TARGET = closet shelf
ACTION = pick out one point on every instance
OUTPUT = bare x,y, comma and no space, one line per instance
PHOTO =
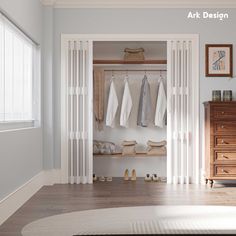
119,155
113,62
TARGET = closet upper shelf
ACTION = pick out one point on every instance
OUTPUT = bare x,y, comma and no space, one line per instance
139,155
114,62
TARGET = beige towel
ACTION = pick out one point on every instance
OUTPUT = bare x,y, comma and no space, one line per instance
128,150
129,143
156,151
156,144
98,96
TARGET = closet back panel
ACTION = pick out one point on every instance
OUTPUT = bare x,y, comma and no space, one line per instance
115,166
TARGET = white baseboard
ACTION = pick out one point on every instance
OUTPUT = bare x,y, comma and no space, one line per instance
11,203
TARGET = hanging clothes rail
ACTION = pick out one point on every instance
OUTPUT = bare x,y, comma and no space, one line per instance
133,70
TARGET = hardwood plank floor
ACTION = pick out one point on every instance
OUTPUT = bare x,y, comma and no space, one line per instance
57,199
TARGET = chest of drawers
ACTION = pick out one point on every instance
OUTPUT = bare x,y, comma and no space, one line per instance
220,141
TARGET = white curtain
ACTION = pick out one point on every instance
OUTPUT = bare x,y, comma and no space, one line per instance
182,131
16,74
79,109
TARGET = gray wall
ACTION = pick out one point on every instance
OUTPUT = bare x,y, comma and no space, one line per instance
21,151
141,21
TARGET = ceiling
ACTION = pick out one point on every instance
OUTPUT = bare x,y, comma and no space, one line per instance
141,3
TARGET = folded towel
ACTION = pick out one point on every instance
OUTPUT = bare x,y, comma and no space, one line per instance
103,147
129,143
156,151
156,144
129,150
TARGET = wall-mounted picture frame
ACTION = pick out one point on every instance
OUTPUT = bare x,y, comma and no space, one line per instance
219,60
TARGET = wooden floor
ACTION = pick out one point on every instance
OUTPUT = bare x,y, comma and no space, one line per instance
57,199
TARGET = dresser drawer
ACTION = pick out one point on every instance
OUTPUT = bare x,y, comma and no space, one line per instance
225,141
225,156
224,113
224,127
225,170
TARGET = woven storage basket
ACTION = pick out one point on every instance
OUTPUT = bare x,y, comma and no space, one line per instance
134,54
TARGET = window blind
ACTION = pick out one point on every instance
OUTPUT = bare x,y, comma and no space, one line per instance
17,74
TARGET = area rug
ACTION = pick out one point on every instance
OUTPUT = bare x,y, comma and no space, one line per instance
138,220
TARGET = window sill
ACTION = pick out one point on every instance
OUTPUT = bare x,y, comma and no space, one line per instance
17,125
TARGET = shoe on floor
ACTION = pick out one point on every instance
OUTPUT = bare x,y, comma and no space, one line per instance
95,178
109,178
133,176
155,178
102,178
148,178
126,174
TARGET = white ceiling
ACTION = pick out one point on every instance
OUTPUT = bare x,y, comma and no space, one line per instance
141,3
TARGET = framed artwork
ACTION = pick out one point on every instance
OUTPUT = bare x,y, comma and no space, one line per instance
219,60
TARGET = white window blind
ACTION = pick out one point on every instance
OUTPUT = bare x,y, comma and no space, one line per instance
17,81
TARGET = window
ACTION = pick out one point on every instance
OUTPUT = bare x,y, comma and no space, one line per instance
19,75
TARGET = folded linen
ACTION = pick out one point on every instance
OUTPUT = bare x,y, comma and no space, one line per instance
156,151
129,150
156,144
129,143
103,147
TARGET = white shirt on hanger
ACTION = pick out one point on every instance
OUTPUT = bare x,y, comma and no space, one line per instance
161,106
126,106
111,106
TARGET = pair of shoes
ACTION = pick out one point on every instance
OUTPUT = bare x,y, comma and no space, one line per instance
95,178
103,178
133,175
149,178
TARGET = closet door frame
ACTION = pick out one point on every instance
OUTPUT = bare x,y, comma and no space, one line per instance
128,37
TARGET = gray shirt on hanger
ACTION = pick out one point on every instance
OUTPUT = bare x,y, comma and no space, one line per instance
145,107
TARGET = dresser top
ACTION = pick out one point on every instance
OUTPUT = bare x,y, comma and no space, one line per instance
219,103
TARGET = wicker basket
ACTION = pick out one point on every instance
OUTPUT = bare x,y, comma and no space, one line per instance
134,54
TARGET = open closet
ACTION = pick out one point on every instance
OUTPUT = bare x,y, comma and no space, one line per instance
130,114
171,60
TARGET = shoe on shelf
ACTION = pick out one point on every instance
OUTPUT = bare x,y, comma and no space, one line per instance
126,174
109,178
102,178
95,178
133,176
148,178
155,178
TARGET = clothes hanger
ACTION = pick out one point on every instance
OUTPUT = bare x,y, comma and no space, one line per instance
145,74
126,76
160,77
112,76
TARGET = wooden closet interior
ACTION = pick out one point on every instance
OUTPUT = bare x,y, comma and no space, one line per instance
109,56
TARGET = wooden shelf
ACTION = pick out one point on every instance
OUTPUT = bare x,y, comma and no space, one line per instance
119,155
113,62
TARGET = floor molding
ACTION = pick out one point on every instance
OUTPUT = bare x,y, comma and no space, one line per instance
11,203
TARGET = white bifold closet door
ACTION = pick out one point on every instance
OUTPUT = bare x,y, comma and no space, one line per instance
183,105
78,105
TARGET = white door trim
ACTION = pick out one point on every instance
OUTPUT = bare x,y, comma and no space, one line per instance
127,37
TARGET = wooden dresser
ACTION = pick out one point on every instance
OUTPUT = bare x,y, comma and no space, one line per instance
220,141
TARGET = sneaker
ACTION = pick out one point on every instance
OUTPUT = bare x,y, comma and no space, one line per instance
148,178
155,178
95,178
102,178
109,178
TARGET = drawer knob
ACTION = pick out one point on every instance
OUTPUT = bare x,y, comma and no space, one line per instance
222,112
222,126
224,171
223,156
222,141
